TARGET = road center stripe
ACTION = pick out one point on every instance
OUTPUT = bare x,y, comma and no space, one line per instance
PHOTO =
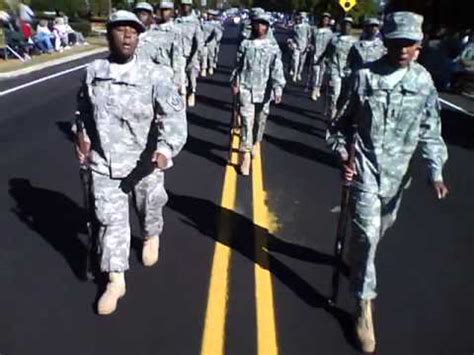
266,328
213,342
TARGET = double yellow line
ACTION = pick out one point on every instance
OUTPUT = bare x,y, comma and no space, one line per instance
213,342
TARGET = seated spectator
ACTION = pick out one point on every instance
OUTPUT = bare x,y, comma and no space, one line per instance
61,32
14,38
77,36
43,34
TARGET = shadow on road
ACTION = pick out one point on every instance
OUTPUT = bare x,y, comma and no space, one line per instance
303,150
298,126
458,129
206,150
259,246
55,217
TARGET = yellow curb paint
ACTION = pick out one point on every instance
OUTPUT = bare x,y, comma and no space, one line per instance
213,341
266,327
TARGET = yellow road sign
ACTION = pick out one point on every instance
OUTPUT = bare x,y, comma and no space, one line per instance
347,5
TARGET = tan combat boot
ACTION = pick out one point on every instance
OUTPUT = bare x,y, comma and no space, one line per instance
115,290
191,100
150,251
211,71
254,151
245,160
364,326
315,94
299,77
203,73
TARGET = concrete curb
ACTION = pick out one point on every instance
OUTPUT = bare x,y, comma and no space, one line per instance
33,68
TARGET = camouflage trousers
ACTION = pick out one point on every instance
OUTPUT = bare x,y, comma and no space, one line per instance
254,119
318,71
208,57
112,211
192,72
372,216
298,59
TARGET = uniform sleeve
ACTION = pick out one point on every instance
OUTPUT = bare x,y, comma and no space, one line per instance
341,129
238,63
277,74
170,112
177,60
198,40
433,148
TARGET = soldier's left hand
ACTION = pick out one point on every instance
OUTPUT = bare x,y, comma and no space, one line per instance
160,160
440,189
278,99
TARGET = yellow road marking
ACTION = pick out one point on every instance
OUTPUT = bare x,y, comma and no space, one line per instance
266,328
214,325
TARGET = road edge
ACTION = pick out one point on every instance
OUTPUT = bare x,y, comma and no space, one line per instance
53,63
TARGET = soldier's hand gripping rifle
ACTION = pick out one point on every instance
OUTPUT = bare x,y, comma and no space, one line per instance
342,225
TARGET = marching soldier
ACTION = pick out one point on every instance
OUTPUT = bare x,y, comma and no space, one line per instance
369,48
320,38
337,52
246,26
161,43
121,102
212,36
257,78
192,43
393,110
299,43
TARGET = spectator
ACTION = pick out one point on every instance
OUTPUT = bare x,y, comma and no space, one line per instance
60,31
43,33
74,36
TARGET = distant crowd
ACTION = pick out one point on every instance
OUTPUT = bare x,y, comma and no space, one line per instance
25,35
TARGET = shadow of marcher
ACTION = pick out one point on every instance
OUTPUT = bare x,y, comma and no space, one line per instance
66,128
55,217
304,151
258,245
205,150
458,129
298,126
208,123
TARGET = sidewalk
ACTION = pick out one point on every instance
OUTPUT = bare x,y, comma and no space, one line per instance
13,68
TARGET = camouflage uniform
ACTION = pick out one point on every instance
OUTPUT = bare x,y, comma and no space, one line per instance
190,27
212,33
162,44
392,117
320,38
259,75
117,106
299,45
365,51
337,53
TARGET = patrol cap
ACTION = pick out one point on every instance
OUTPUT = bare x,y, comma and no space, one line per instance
256,10
302,14
403,25
122,17
187,2
213,12
264,17
372,21
348,19
166,5
326,14
143,6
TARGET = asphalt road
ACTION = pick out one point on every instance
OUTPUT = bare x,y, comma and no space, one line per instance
425,263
